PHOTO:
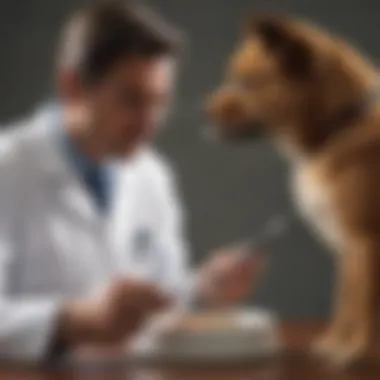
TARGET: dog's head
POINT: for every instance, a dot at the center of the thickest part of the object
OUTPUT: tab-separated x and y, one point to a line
285	79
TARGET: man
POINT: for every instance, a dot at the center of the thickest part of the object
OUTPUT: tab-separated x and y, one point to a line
90	222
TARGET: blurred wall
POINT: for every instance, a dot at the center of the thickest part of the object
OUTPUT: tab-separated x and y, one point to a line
229	191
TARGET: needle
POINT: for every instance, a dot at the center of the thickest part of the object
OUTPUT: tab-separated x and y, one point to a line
273	229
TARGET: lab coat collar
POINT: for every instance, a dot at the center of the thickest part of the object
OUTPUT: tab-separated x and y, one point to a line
60	175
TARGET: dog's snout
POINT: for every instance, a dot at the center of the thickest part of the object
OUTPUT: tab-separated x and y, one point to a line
224	109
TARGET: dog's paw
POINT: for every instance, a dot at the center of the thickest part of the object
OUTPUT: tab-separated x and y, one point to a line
350	354
325	345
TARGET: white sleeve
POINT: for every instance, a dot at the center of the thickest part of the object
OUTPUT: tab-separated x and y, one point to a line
173	247
26	328
26	325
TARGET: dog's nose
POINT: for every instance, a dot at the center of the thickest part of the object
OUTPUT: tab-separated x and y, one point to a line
224	110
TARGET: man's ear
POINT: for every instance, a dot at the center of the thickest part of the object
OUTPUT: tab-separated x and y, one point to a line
281	39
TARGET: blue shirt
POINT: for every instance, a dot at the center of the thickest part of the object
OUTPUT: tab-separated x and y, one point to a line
97	177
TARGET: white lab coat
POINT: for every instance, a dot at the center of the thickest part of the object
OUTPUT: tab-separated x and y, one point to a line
54	244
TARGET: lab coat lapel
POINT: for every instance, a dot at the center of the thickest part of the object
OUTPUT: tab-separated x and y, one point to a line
59	174
122	212
111	231
77	234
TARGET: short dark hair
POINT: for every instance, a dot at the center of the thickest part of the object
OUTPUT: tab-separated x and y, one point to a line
98	35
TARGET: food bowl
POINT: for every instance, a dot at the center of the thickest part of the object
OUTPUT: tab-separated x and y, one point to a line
210	335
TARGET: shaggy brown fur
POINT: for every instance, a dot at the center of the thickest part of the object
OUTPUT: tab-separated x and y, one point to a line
315	96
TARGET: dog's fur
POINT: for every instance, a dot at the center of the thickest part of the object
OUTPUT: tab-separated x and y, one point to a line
315	96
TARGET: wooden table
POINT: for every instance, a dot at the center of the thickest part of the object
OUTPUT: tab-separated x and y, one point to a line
296	364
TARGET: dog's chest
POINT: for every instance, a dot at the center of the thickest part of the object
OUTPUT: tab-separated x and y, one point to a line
316	206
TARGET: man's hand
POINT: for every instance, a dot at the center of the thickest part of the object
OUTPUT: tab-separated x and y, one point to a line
228	277
111	317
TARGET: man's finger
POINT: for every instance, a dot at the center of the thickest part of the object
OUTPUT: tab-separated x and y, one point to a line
139	296
152	298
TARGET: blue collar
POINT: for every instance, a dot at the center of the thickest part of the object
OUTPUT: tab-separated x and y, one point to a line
77	157
98	177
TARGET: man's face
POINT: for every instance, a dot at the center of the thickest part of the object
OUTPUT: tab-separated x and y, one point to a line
130	102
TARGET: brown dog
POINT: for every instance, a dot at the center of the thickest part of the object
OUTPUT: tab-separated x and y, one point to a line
317	98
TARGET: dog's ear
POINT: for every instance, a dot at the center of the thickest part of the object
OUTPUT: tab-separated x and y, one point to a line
280	38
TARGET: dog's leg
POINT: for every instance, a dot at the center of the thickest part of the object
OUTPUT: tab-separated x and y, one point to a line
339	328
361	305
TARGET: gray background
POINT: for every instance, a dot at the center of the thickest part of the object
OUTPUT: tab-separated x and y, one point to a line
229	191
